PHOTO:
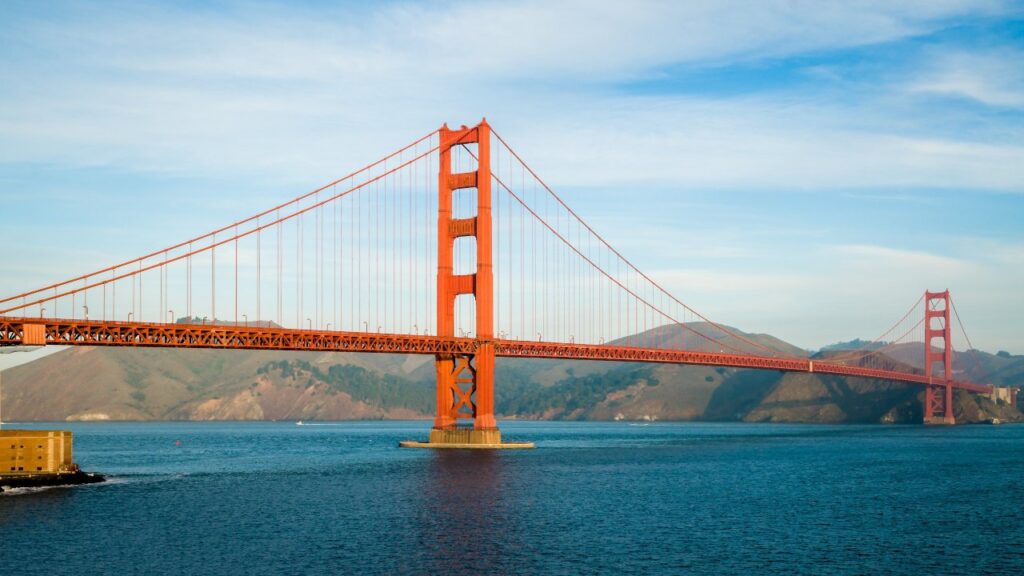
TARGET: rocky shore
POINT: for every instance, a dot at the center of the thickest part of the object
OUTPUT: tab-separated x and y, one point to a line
14	481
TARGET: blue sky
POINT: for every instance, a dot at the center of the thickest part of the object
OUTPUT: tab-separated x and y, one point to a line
805	169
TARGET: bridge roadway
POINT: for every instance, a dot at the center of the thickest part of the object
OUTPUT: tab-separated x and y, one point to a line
46	331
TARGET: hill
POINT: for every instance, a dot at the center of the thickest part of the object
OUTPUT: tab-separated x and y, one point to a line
177	384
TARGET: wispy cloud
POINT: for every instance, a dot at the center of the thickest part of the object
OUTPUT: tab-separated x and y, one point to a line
993	78
288	93
881	258
572	40
764	143
839	292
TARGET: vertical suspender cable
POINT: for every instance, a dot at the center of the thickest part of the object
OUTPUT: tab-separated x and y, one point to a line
213	280
236	276
259	270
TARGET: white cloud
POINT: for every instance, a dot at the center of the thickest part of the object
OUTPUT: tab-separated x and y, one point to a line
298	95
602	40
584	40
759	143
994	78
840	292
882	258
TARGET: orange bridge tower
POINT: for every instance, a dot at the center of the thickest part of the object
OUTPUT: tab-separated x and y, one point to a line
938	394
465	382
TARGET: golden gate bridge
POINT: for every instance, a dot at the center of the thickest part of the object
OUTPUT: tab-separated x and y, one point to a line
451	246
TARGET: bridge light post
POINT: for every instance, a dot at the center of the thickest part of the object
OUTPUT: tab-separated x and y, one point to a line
204	320
130	314
366	326
309	324
42	311
170	316
86	311
246	318
327	328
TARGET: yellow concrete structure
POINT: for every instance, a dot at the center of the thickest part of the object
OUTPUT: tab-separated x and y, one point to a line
1002	394
35	452
466	438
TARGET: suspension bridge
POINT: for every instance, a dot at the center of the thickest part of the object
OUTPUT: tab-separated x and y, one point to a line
451	246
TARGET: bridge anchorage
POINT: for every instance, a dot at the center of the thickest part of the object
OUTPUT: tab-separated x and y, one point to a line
349	267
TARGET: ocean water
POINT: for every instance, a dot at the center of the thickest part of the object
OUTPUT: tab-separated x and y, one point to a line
609	498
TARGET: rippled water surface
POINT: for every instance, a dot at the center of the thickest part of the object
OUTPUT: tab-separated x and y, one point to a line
340	498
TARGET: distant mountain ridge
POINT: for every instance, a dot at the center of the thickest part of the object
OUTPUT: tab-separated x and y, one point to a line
85	383
855	344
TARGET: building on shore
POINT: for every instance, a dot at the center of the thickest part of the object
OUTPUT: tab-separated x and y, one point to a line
35	452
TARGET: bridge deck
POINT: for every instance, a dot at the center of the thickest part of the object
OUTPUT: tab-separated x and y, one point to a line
101	333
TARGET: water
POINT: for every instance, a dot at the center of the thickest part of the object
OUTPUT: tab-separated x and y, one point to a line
276	498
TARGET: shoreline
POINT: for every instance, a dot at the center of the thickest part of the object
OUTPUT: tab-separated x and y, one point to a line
23	480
